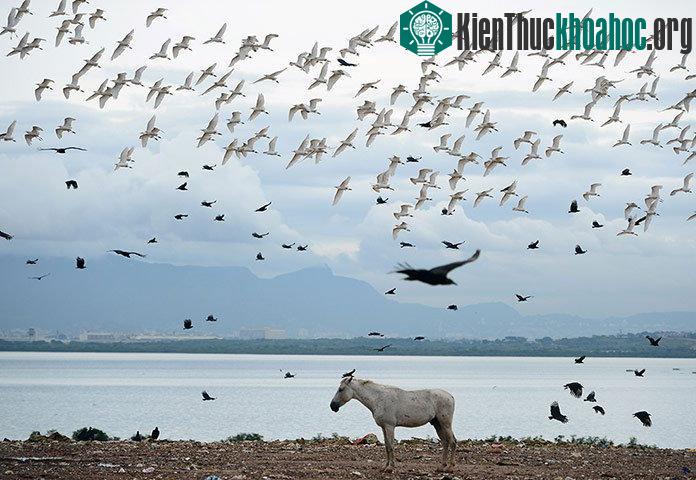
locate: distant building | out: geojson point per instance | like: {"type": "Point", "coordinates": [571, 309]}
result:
{"type": "Point", "coordinates": [262, 334]}
{"type": "Point", "coordinates": [97, 337]}
{"type": "Point", "coordinates": [166, 337]}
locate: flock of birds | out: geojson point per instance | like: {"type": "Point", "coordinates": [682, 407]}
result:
{"type": "Point", "coordinates": [325, 72]}
{"type": "Point", "coordinates": [576, 389]}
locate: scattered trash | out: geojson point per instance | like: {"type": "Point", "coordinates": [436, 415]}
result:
{"type": "Point", "coordinates": [369, 439]}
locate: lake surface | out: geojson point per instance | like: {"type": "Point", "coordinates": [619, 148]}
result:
{"type": "Point", "coordinates": [122, 393]}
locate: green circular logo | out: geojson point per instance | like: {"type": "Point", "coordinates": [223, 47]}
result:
{"type": "Point", "coordinates": [425, 29]}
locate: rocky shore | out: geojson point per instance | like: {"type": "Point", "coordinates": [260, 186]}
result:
{"type": "Point", "coordinates": [57, 457]}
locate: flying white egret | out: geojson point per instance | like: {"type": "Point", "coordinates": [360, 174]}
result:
{"type": "Point", "coordinates": [592, 192]}
{"type": "Point", "coordinates": [340, 189]}
{"type": "Point", "coordinates": [555, 147]}
{"type": "Point", "coordinates": [685, 188]}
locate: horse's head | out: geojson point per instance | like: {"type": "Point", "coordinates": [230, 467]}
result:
{"type": "Point", "coordinates": [343, 394]}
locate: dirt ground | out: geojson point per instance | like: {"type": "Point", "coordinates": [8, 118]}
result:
{"type": "Point", "coordinates": [331, 460]}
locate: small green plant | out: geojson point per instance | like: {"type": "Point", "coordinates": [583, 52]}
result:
{"type": "Point", "coordinates": [246, 437]}
{"type": "Point", "coordinates": [633, 443]}
{"type": "Point", "coordinates": [89, 434]}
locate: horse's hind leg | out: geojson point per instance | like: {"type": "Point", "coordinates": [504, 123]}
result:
{"type": "Point", "coordinates": [446, 425]}
{"type": "Point", "coordinates": [444, 439]}
{"type": "Point", "coordinates": [452, 446]}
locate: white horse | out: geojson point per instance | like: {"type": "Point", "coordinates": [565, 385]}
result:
{"type": "Point", "coordinates": [393, 407]}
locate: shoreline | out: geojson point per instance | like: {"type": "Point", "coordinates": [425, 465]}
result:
{"type": "Point", "coordinates": [335, 459]}
{"type": "Point", "coordinates": [675, 346]}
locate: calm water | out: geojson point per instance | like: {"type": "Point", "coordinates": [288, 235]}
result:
{"type": "Point", "coordinates": [120, 393]}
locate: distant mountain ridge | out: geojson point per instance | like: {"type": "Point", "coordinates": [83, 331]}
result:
{"type": "Point", "coordinates": [117, 295]}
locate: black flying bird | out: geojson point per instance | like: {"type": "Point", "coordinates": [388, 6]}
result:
{"type": "Point", "coordinates": [644, 418]}
{"type": "Point", "coordinates": [639, 373]}
{"type": "Point", "coordinates": [126, 254]}
{"type": "Point", "coordinates": [533, 245]}
{"type": "Point", "coordinates": [590, 397]}
{"type": "Point", "coordinates": [580, 359]}
{"type": "Point", "coordinates": [391, 292]}
{"type": "Point", "coordinates": [259, 235]}
{"type": "Point", "coordinates": [575, 389]}
{"type": "Point", "coordinates": [210, 318]}
{"type": "Point", "coordinates": [288, 246]}
{"type": "Point", "coordinates": [626, 172]}
{"type": "Point", "coordinates": [596, 224]}
{"type": "Point", "coordinates": [259, 256]}
{"type": "Point", "coordinates": [32, 262]}
{"type": "Point", "coordinates": [560, 122]}
{"type": "Point", "coordinates": [452, 307]}
{"type": "Point", "coordinates": [579, 250]}
{"type": "Point", "coordinates": [556, 413]}
{"type": "Point", "coordinates": [598, 409]}
{"type": "Point", "coordinates": [453, 246]}
{"type": "Point", "coordinates": [419, 338]}
{"type": "Point", "coordinates": [152, 240]}
{"type": "Point", "coordinates": [381, 349]}
{"type": "Point", "coordinates": [573, 207]}
{"type": "Point", "coordinates": [62, 150]}
{"type": "Point", "coordinates": [406, 245]}
{"type": "Point", "coordinates": [654, 342]}
{"type": "Point", "coordinates": [71, 184]}
{"type": "Point", "coordinates": [182, 187]}
{"type": "Point", "coordinates": [521, 298]}
{"type": "Point", "coordinates": [188, 324]}
{"type": "Point", "coordinates": [219, 218]}
{"type": "Point", "coordinates": [437, 275]}
{"type": "Point", "coordinates": [375, 334]}
{"type": "Point", "coordinates": [381, 201]}
{"type": "Point", "coordinates": [206, 397]}
{"type": "Point", "coordinates": [183, 174]}
{"type": "Point", "coordinates": [345, 63]}
{"type": "Point", "coordinates": [180, 216]}
{"type": "Point", "coordinates": [6, 236]}
{"type": "Point", "coordinates": [302, 248]}
{"type": "Point", "coordinates": [263, 208]}
{"type": "Point", "coordinates": [80, 263]}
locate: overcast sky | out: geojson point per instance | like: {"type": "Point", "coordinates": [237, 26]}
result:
{"type": "Point", "coordinates": [620, 275]}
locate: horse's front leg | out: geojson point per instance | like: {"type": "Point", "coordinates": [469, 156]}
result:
{"type": "Point", "coordinates": [388, 431]}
